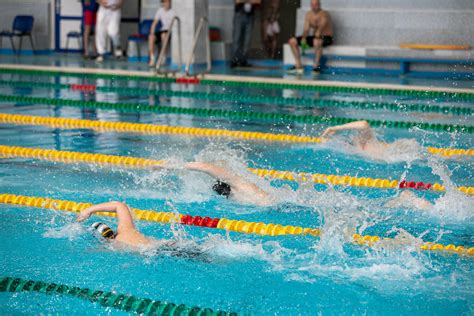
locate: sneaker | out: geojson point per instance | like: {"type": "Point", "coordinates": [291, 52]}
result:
{"type": "Point", "coordinates": [99, 59]}
{"type": "Point", "coordinates": [316, 70]}
{"type": "Point", "coordinates": [294, 70]}
{"type": "Point", "coordinates": [151, 63]}
{"type": "Point", "coordinates": [118, 53]}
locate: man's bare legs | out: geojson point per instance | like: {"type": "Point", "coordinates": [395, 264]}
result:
{"type": "Point", "coordinates": [296, 52]}
{"type": "Point", "coordinates": [151, 48]}
{"type": "Point", "coordinates": [85, 38]}
{"type": "Point", "coordinates": [318, 51]}
{"type": "Point", "coordinates": [152, 44]}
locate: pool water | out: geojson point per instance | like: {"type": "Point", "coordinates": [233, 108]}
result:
{"type": "Point", "coordinates": [244, 273]}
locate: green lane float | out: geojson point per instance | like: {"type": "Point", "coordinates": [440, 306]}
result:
{"type": "Point", "coordinates": [123, 302]}
{"type": "Point", "coordinates": [231, 97]}
{"type": "Point", "coordinates": [455, 96]}
{"type": "Point", "coordinates": [228, 114]}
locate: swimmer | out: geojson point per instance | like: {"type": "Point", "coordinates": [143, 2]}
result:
{"type": "Point", "coordinates": [367, 143]}
{"type": "Point", "coordinates": [232, 186]}
{"type": "Point", "coordinates": [127, 234]}
{"type": "Point", "coordinates": [408, 199]}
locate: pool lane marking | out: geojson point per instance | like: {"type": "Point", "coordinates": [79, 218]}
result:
{"type": "Point", "coordinates": [151, 129]}
{"type": "Point", "coordinates": [239, 226]}
{"type": "Point", "coordinates": [134, 162]}
{"type": "Point", "coordinates": [278, 82]}
{"type": "Point", "coordinates": [232, 115]}
{"type": "Point", "coordinates": [123, 302]}
{"type": "Point", "coordinates": [306, 103]}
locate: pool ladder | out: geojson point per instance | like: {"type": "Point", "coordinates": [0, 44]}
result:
{"type": "Point", "coordinates": [203, 25]}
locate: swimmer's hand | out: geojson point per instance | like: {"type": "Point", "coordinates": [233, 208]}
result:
{"type": "Point", "coordinates": [83, 215]}
{"type": "Point", "coordinates": [328, 133]}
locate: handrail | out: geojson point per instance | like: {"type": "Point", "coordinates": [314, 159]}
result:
{"type": "Point", "coordinates": [202, 21]}
{"type": "Point", "coordinates": [164, 46]}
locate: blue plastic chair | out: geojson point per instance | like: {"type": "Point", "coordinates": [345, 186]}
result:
{"type": "Point", "coordinates": [78, 36]}
{"type": "Point", "coordinates": [22, 26]}
{"type": "Point", "coordinates": [144, 30]}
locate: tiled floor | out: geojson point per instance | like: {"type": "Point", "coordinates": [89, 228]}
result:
{"type": "Point", "coordinates": [261, 68]}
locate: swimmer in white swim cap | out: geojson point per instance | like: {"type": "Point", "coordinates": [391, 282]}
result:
{"type": "Point", "coordinates": [366, 142]}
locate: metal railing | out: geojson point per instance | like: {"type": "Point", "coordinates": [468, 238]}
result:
{"type": "Point", "coordinates": [203, 21]}
{"type": "Point", "coordinates": [164, 47]}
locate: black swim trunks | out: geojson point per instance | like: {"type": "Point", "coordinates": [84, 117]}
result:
{"type": "Point", "coordinates": [327, 40]}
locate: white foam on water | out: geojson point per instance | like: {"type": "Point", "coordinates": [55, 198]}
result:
{"type": "Point", "coordinates": [70, 231]}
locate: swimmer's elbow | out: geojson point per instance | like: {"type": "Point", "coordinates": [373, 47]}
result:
{"type": "Point", "coordinates": [364, 124]}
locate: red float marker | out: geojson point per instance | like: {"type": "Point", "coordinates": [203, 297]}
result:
{"type": "Point", "coordinates": [199, 221]}
{"type": "Point", "coordinates": [414, 185]}
{"type": "Point", "coordinates": [83, 87]}
{"type": "Point", "coordinates": [187, 80]}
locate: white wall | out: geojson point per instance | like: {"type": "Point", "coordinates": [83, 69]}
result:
{"type": "Point", "coordinates": [389, 23]}
{"type": "Point", "coordinates": [41, 10]}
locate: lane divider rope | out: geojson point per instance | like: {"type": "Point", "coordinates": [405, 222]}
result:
{"type": "Point", "coordinates": [222, 223]}
{"type": "Point", "coordinates": [152, 129]}
{"type": "Point", "coordinates": [122, 127]}
{"type": "Point", "coordinates": [232, 97]}
{"type": "Point", "coordinates": [229, 114]}
{"type": "Point", "coordinates": [259, 228]}
{"type": "Point", "coordinates": [134, 162]}
{"type": "Point", "coordinates": [432, 94]}
{"type": "Point", "coordinates": [123, 302]}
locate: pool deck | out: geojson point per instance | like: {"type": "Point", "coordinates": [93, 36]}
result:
{"type": "Point", "coordinates": [264, 71]}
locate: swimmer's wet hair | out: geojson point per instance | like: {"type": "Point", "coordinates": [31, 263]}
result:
{"type": "Point", "coordinates": [222, 188]}
{"type": "Point", "coordinates": [104, 230]}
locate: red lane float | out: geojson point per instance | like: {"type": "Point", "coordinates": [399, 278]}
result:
{"type": "Point", "coordinates": [188, 80]}
{"type": "Point", "coordinates": [200, 221]}
{"type": "Point", "coordinates": [414, 185]}
{"type": "Point", "coordinates": [83, 87]}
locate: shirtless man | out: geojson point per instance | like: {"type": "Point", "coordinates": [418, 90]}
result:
{"type": "Point", "coordinates": [320, 21]}
{"type": "Point", "coordinates": [231, 185]}
{"type": "Point", "coordinates": [366, 142]}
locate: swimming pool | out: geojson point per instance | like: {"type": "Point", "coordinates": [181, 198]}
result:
{"type": "Point", "coordinates": [244, 273]}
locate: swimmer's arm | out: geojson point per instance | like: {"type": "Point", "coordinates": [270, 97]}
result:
{"type": "Point", "coordinates": [216, 172]}
{"type": "Point", "coordinates": [358, 125]}
{"type": "Point", "coordinates": [409, 199]}
{"type": "Point", "coordinates": [124, 216]}
{"type": "Point", "coordinates": [236, 182]}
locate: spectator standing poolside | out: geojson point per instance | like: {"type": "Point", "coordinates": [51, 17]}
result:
{"type": "Point", "coordinates": [164, 14]}
{"type": "Point", "coordinates": [89, 16]}
{"type": "Point", "coordinates": [320, 21]}
{"type": "Point", "coordinates": [271, 27]}
{"type": "Point", "coordinates": [108, 25]}
{"type": "Point", "coordinates": [244, 17]}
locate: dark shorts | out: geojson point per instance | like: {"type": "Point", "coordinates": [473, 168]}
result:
{"type": "Point", "coordinates": [89, 17]}
{"type": "Point", "coordinates": [327, 40]}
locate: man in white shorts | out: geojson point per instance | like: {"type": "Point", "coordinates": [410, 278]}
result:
{"type": "Point", "coordinates": [108, 25]}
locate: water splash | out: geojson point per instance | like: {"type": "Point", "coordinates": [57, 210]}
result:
{"type": "Point", "coordinates": [71, 231]}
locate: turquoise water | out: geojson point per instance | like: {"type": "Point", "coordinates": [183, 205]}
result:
{"type": "Point", "coordinates": [244, 273]}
